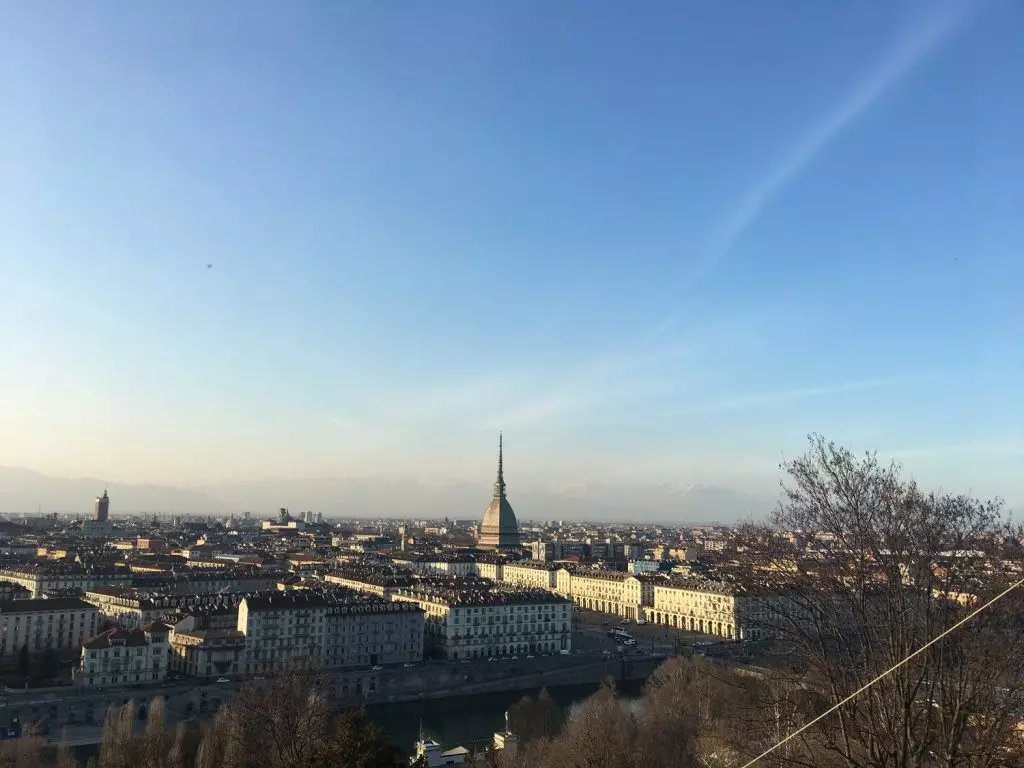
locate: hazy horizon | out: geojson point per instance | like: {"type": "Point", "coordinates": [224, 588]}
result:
{"type": "Point", "coordinates": [22, 491]}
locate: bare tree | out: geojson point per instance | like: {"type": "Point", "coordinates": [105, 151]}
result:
{"type": "Point", "coordinates": [184, 745]}
{"type": "Point", "coordinates": [63, 757]}
{"type": "Point", "coordinates": [282, 723]}
{"type": "Point", "coordinates": [156, 740]}
{"type": "Point", "coordinates": [602, 732]}
{"type": "Point", "coordinates": [118, 748]}
{"type": "Point", "coordinates": [25, 752]}
{"type": "Point", "coordinates": [213, 750]}
{"type": "Point", "coordinates": [887, 568]}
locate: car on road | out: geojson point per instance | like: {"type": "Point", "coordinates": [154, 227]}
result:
{"type": "Point", "coordinates": [223, 680]}
{"type": "Point", "coordinates": [630, 641]}
{"type": "Point", "coordinates": [408, 664]}
{"type": "Point", "coordinates": [641, 621]}
{"type": "Point", "coordinates": [377, 668]}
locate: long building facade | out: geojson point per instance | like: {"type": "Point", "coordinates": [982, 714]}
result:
{"type": "Point", "coordinates": [723, 609]}
{"type": "Point", "coordinates": [482, 624]}
{"type": "Point", "coordinates": [62, 624]}
{"type": "Point", "coordinates": [615, 592]}
{"type": "Point", "coordinates": [304, 629]}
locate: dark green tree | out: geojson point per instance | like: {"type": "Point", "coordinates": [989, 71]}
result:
{"type": "Point", "coordinates": [358, 743]}
{"type": "Point", "coordinates": [24, 660]}
{"type": "Point", "coordinates": [49, 666]}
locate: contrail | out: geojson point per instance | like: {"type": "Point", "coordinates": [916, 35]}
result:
{"type": "Point", "coordinates": [909, 51]}
{"type": "Point", "coordinates": [767, 399]}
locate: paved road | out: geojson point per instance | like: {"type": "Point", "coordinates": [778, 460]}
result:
{"type": "Point", "coordinates": [592, 629]}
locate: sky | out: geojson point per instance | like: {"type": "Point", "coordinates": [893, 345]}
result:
{"type": "Point", "coordinates": [654, 244]}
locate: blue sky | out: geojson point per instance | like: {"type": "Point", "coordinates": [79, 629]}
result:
{"type": "Point", "coordinates": [653, 244]}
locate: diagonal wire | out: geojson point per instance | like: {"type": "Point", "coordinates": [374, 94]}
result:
{"type": "Point", "coordinates": [887, 672]}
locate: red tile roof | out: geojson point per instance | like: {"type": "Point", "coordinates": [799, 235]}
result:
{"type": "Point", "coordinates": [131, 638]}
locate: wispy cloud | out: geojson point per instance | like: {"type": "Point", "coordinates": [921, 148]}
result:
{"type": "Point", "coordinates": [766, 399]}
{"type": "Point", "coordinates": [523, 394]}
{"type": "Point", "coordinates": [1009, 446]}
{"type": "Point", "coordinates": [909, 51]}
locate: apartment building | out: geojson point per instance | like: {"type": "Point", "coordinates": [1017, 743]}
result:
{"type": "Point", "coordinates": [124, 606]}
{"type": "Point", "coordinates": [372, 632]}
{"type": "Point", "coordinates": [62, 624]}
{"type": "Point", "coordinates": [11, 591]}
{"type": "Point", "coordinates": [330, 629]}
{"type": "Point", "coordinates": [133, 608]}
{"type": "Point", "coordinates": [615, 592]}
{"type": "Point", "coordinates": [474, 623]}
{"type": "Point", "coordinates": [125, 656]}
{"type": "Point", "coordinates": [282, 629]}
{"type": "Point", "coordinates": [698, 606]}
{"type": "Point", "coordinates": [371, 582]}
{"type": "Point", "coordinates": [724, 609]}
{"type": "Point", "coordinates": [529, 574]}
{"type": "Point", "coordinates": [207, 652]}
{"type": "Point", "coordinates": [447, 565]}
{"type": "Point", "coordinates": [41, 578]}
{"type": "Point", "coordinates": [490, 568]}
{"type": "Point", "coordinates": [197, 581]}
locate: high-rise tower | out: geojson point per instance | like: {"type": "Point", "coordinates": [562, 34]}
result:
{"type": "Point", "coordinates": [102, 509]}
{"type": "Point", "coordinates": [499, 528]}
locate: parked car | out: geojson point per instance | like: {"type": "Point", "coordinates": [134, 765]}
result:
{"type": "Point", "coordinates": [223, 680]}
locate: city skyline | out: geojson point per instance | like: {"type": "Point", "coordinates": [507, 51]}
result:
{"type": "Point", "coordinates": [352, 245]}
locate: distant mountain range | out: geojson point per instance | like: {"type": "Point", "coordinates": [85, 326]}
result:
{"type": "Point", "coordinates": [23, 491]}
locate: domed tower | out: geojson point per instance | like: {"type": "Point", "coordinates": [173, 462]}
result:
{"type": "Point", "coordinates": [499, 528]}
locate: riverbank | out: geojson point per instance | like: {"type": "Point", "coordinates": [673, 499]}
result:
{"type": "Point", "coordinates": [471, 720]}
{"type": "Point", "coordinates": [442, 681]}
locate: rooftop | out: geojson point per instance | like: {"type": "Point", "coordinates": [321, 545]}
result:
{"type": "Point", "coordinates": [117, 637]}
{"type": "Point", "coordinates": [347, 599]}
{"type": "Point", "coordinates": [481, 597]}
{"type": "Point", "coordinates": [39, 606]}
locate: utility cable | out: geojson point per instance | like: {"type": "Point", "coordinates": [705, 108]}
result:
{"type": "Point", "coordinates": [887, 672]}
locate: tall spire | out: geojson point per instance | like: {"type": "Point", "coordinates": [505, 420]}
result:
{"type": "Point", "coordinates": [499, 484]}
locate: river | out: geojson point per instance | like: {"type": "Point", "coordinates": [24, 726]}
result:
{"type": "Point", "coordinates": [468, 721]}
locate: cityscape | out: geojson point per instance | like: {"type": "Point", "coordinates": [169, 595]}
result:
{"type": "Point", "coordinates": [577, 384]}
{"type": "Point", "coordinates": [105, 615]}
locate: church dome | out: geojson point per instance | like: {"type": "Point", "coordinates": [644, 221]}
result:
{"type": "Point", "coordinates": [499, 528]}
